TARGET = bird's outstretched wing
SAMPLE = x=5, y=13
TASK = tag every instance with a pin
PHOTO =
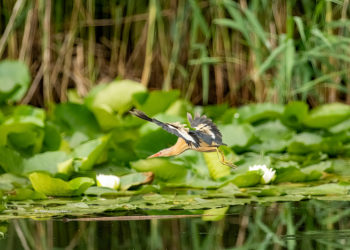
x=205, y=129
x=174, y=128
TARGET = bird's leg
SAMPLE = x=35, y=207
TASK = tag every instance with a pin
x=230, y=164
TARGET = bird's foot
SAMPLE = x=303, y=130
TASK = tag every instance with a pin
x=230, y=164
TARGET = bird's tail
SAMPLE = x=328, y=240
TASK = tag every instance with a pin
x=140, y=114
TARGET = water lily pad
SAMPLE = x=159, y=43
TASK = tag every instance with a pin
x=100, y=191
x=254, y=112
x=73, y=117
x=294, y=114
x=15, y=80
x=20, y=194
x=10, y=181
x=216, y=168
x=248, y=179
x=88, y=153
x=159, y=101
x=162, y=168
x=238, y=136
x=327, y=115
x=10, y=160
x=324, y=189
x=44, y=183
x=23, y=130
x=46, y=162
x=135, y=179
x=52, y=137
x=103, y=103
x=214, y=214
x=304, y=143
x=340, y=127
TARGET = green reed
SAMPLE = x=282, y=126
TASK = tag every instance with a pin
x=214, y=51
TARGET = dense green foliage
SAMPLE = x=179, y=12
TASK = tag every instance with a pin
x=213, y=51
x=59, y=152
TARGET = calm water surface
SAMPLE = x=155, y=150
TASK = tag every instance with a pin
x=287, y=225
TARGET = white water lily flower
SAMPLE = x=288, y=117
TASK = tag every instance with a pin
x=110, y=181
x=268, y=173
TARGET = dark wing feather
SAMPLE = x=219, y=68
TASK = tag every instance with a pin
x=205, y=129
x=190, y=138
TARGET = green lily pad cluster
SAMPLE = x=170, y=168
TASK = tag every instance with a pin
x=61, y=151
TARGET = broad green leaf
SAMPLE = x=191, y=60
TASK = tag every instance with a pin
x=255, y=112
x=123, y=89
x=341, y=166
x=340, y=127
x=20, y=194
x=135, y=179
x=238, y=136
x=179, y=108
x=247, y=179
x=14, y=79
x=294, y=114
x=304, y=143
x=333, y=146
x=100, y=191
x=315, y=171
x=324, y=189
x=24, y=130
x=10, y=181
x=273, y=135
x=105, y=117
x=216, y=168
x=105, y=101
x=214, y=214
x=273, y=145
x=10, y=160
x=74, y=117
x=215, y=111
x=163, y=169
x=327, y=115
x=52, y=137
x=80, y=184
x=45, y=162
x=88, y=153
x=44, y=183
x=272, y=130
x=27, y=114
x=195, y=181
x=289, y=174
x=159, y=101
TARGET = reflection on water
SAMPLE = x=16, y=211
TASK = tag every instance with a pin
x=291, y=225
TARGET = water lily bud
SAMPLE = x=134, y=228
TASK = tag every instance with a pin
x=110, y=181
x=268, y=173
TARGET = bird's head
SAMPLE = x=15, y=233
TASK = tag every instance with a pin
x=162, y=153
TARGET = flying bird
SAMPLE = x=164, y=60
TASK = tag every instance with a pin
x=205, y=137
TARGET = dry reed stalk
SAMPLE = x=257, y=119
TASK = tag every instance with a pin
x=219, y=76
x=332, y=92
x=124, y=42
x=115, y=43
x=81, y=82
x=149, y=43
x=179, y=25
x=34, y=86
x=46, y=60
x=91, y=50
x=26, y=35
x=9, y=27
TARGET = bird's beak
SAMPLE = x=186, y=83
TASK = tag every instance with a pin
x=153, y=156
